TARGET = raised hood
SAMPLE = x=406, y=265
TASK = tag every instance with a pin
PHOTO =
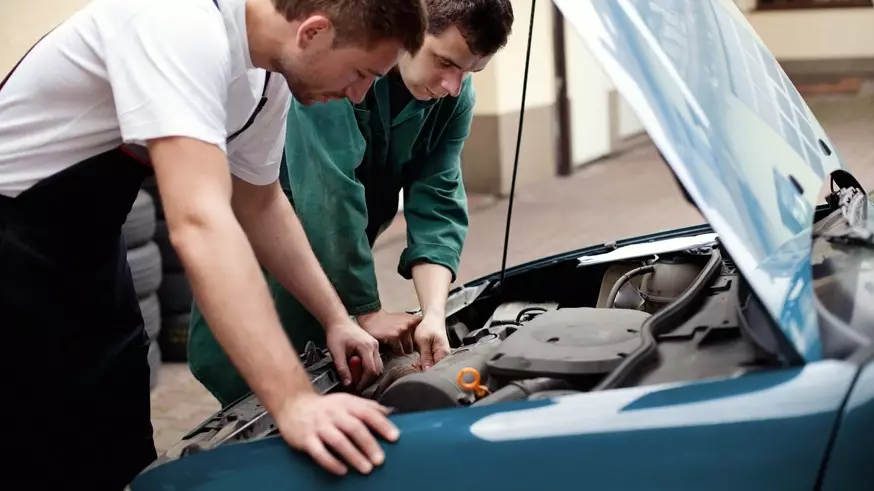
x=733, y=128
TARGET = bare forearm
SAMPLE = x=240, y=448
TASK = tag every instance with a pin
x=222, y=269
x=282, y=247
x=432, y=283
x=233, y=296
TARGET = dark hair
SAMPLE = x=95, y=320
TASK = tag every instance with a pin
x=485, y=24
x=366, y=22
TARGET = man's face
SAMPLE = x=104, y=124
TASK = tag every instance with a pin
x=439, y=67
x=318, y=71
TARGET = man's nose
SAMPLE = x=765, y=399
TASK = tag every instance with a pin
x=452, y=84
x=356, y=92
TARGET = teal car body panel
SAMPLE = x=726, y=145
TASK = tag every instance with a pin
x=850, y=462
x=772, y=427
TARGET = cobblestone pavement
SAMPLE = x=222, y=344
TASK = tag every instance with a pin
x=619, y=197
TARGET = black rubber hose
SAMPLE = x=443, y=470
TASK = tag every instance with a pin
x=668, y=316
x=521, y=389
x=611, y=298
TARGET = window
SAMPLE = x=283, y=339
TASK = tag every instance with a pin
x=811, y=4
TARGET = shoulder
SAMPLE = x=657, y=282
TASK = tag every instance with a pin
x=199, y=22
x=169, y=38
x=196, y=14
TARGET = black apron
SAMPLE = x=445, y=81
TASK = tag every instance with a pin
x=74, y=334
x=74, y=345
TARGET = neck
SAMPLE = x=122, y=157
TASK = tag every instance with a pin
x=265, y=29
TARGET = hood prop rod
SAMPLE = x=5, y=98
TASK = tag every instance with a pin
x=518, y=145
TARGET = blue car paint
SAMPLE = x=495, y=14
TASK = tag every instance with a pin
x=850, y=461
x=767, y=431
x=733, y=128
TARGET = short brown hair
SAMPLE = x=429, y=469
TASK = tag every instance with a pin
x=367, y=22
x=484, y=24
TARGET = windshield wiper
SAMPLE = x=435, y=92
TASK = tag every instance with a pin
x=851, y=202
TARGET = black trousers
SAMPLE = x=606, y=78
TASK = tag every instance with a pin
x=76, y=393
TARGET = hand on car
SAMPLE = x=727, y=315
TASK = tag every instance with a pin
x=395, y=330
x=311, y=423
x=346, y=339
x=432, y=341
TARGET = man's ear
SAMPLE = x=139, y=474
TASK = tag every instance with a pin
x=315, y=30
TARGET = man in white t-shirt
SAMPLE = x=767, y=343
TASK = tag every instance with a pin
x=196, y=92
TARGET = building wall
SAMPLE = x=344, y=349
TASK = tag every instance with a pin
x=487, y=160
x=814, y=34
x=836, y=33
x=599, y=118
x=23, y=22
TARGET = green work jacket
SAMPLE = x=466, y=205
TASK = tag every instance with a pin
x=343, y=170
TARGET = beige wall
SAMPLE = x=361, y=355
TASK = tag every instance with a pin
x=487, y=160
x=22, y=22
x=588, y=90
x=814, y=34
x=821, y=34
x=499, y=86
x=598, y=117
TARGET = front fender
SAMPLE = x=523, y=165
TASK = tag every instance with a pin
x=766, y=431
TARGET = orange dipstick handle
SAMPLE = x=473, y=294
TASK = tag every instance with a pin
x=472, y=385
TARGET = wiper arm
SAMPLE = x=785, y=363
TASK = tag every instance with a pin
x=851, y=202
x=851, y=236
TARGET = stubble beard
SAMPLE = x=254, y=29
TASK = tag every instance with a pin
x=298, y=88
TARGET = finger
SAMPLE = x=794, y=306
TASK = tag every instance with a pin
x=440, y=353
x=426, y=358
x=371, y=404
x=377, y=360
x=368, y=362
x=323, y=457
x=343, y=369
x=365, y=381
x=361, y=436
x=408, y=345
x=372, y=364
x=377, y=419
x=355, y=369
x=344, y=448
x=397, y=347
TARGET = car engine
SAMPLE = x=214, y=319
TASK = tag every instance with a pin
x=564, y=329
x=528, y=348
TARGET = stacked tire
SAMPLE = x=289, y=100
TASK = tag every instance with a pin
x=174, y=293
x=144, y=259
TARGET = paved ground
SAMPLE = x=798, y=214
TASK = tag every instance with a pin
x=620, y=197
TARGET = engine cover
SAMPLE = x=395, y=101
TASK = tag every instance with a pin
x=569, y=343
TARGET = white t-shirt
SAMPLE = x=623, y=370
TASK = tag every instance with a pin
x=126, y=71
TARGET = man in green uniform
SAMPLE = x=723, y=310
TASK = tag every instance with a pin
x=345, y=167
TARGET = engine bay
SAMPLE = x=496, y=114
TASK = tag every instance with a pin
x=559, y=328
x=650, y=320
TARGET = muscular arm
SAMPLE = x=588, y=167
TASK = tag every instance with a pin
x=220, y=264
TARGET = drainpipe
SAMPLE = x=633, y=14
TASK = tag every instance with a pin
x=562, y=104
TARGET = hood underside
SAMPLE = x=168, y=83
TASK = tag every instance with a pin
x=733, y=129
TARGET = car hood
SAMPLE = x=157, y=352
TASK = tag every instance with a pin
x=733, y=128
